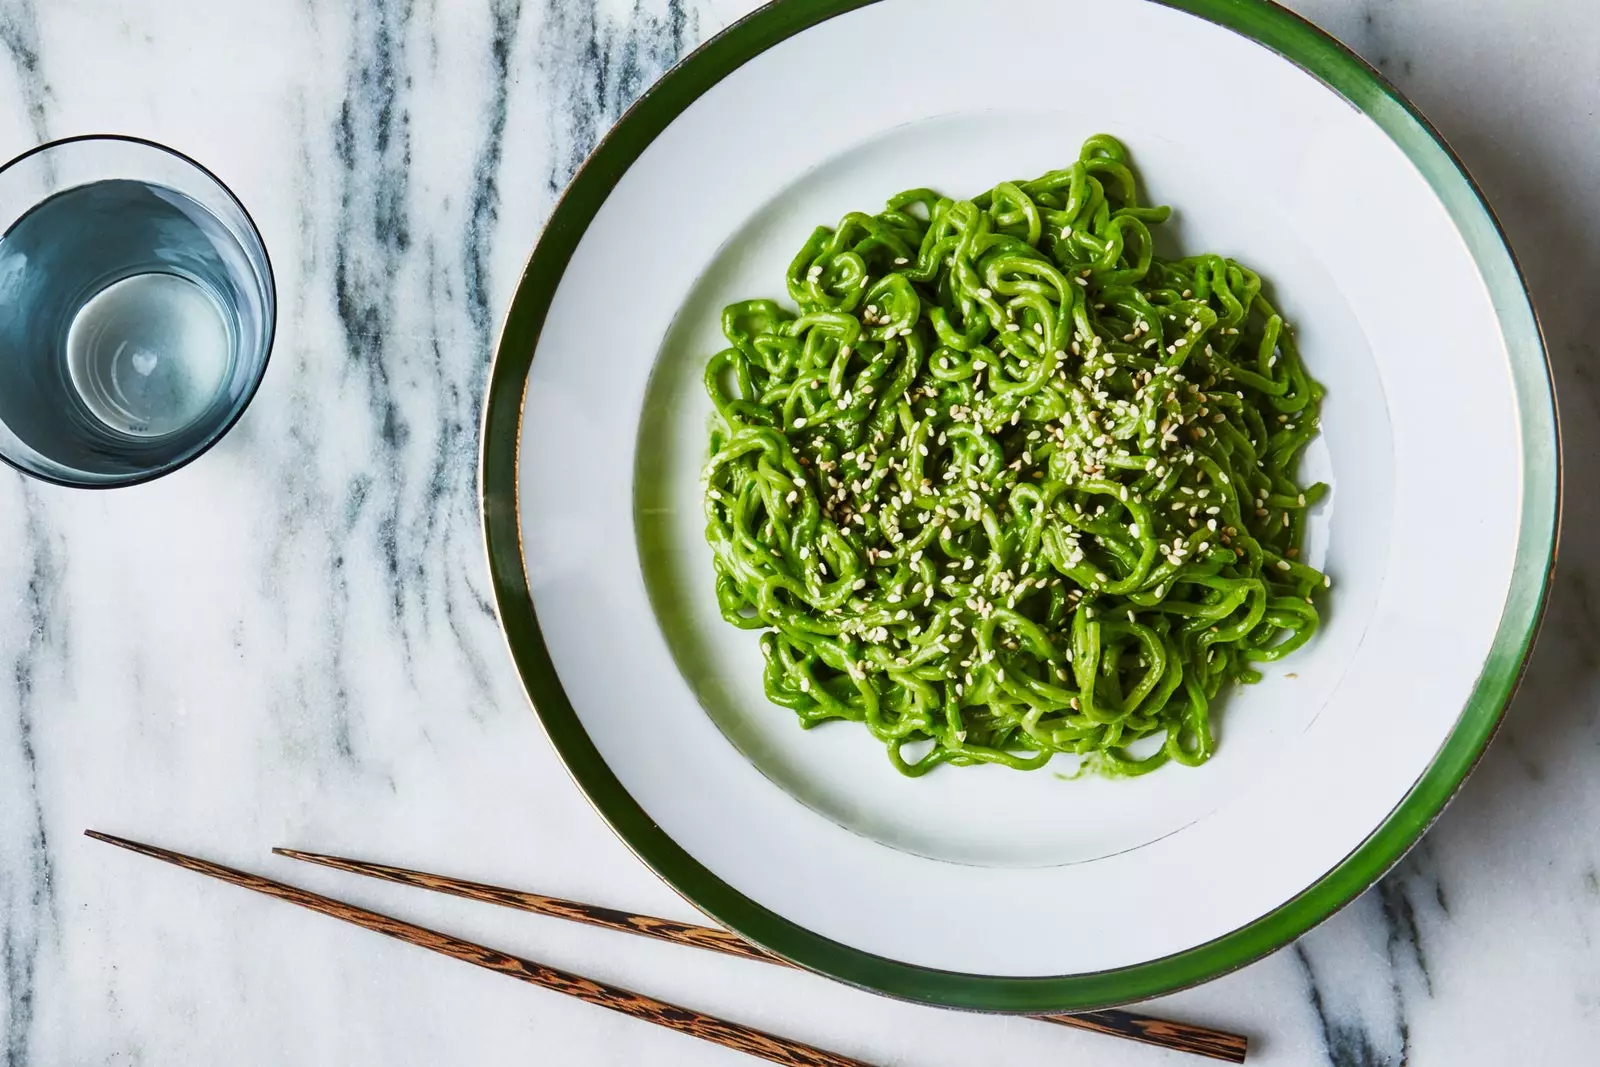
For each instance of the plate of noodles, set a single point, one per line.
(1026, 506)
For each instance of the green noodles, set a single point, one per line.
(1010, 484)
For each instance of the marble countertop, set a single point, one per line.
(291, 641)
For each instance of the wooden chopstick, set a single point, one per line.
(1181, 1037)
(706, 1027)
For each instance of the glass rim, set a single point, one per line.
(222, 428)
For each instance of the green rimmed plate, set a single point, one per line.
(987, 888)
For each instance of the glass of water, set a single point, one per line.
(136, 310)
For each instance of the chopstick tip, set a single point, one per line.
(122, 842)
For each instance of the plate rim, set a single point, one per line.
(1338, 68)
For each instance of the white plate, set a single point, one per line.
(986, 886)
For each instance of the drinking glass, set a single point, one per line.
(137, 310)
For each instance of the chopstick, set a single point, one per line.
(706, 1027)
(1181, 1037)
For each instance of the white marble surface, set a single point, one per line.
(291, 641)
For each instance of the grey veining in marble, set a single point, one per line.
(597, 66)
(19, 34)
(28, 903)
(292, 641)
